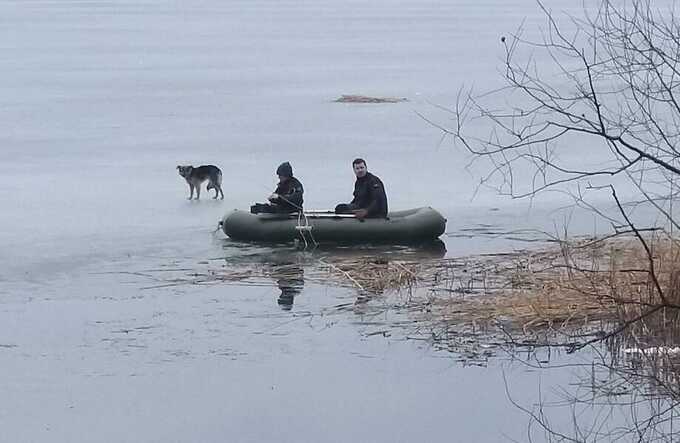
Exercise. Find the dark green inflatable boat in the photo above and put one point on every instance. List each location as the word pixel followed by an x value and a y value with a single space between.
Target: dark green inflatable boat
pixel 400 227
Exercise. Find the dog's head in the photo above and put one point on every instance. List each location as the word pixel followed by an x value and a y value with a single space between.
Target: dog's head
pixel 185 171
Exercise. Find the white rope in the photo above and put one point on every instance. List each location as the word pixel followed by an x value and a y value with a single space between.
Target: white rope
pixel 302 228
pixel 307 227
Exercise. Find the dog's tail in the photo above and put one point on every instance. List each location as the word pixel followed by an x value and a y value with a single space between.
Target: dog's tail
pixel 219 178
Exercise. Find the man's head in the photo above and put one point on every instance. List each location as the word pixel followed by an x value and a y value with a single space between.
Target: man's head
pixel 284 171
pixel 359 165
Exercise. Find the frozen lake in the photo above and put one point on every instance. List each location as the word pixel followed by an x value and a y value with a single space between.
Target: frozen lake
pixel 102 99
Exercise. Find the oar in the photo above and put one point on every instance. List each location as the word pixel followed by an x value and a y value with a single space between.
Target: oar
pixel 327 215
pixel 319 211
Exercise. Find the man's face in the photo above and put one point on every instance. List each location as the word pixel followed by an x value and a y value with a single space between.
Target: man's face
pixel 283 178
pixel 360 169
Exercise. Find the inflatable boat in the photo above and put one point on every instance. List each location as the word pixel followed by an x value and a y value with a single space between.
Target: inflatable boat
pixel 400 227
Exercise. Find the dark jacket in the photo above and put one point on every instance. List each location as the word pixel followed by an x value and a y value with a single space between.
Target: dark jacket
pixel 291 195
pixel 369 194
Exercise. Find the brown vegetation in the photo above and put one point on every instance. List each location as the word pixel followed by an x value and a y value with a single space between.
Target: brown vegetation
pixel 578 284
pixel 366 99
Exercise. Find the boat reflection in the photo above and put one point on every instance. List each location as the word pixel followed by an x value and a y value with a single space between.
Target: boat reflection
pixel 251 252
pixel 290 279
pixel 369 269
pixel 421 251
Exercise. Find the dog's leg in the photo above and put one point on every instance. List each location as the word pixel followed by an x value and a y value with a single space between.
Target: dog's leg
pixel 191 187
pixel 198 192
pixel 218 184
pixel 213 184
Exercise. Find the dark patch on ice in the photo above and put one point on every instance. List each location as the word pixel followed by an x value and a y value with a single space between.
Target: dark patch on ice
pixel 349 98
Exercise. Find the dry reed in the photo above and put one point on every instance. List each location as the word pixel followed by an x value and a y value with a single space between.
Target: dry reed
pixel 367 99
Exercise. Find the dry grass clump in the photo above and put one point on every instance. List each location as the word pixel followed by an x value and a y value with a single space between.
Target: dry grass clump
pixel 528 311
pixel 368 274
pixel 645 284
pixel 366 99
pixel 375 275
pixel 573 284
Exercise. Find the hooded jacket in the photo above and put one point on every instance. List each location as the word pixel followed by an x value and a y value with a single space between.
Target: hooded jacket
pixel 290 195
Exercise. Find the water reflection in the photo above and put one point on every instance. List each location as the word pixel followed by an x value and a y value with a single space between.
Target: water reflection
pixel 369 269
pixel 423 251
pixel 238 252
pixel 290 278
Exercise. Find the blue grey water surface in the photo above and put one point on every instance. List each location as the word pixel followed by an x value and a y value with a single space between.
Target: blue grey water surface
pixel 100 100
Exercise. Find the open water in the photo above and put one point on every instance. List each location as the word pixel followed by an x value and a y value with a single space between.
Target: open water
pixel 100 100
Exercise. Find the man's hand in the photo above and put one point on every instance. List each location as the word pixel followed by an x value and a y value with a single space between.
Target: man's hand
pixel 360 213
pixel 273 197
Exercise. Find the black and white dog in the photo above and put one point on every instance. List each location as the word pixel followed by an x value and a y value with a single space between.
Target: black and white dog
pixel 196 176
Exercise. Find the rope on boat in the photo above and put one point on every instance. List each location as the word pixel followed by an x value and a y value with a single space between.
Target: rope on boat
pixel 307 227
pixel 301 228
pixel 219 226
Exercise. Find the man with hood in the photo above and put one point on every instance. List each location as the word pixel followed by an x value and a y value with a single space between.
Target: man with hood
pixel 287 197
pixel 370 200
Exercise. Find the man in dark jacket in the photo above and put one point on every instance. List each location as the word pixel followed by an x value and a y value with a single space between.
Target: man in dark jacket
pixel 287 197
pixel 369 200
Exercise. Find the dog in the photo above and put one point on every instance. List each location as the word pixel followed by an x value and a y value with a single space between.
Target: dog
pixel 196 176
